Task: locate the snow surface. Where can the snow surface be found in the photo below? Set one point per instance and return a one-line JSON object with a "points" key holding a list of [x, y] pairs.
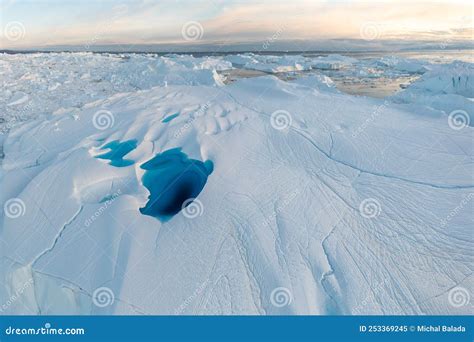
{"points": [[353, 205], [445, 88]]}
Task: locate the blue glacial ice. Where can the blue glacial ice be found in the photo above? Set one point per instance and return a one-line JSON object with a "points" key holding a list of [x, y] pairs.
{"points": [[172, 178]]}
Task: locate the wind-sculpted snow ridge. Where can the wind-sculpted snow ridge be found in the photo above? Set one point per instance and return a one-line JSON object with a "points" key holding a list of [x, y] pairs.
{"points": [[318, 203]]}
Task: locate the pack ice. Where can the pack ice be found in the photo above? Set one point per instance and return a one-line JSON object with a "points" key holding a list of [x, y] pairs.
{"points": [[144, 185]]}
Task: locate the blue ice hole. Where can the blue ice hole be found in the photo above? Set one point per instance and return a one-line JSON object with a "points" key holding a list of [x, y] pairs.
{"points": [[173, 179]]}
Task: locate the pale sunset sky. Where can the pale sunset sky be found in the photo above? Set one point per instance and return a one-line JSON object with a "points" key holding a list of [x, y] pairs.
{"points": [[41, 23]]}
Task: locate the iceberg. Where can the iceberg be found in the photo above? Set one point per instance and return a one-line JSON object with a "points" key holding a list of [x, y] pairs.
{"points": [[446, 89], [332, 62]]}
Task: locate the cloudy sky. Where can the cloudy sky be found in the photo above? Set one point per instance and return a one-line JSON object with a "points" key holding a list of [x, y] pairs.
{"points": [[42, 23]]}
